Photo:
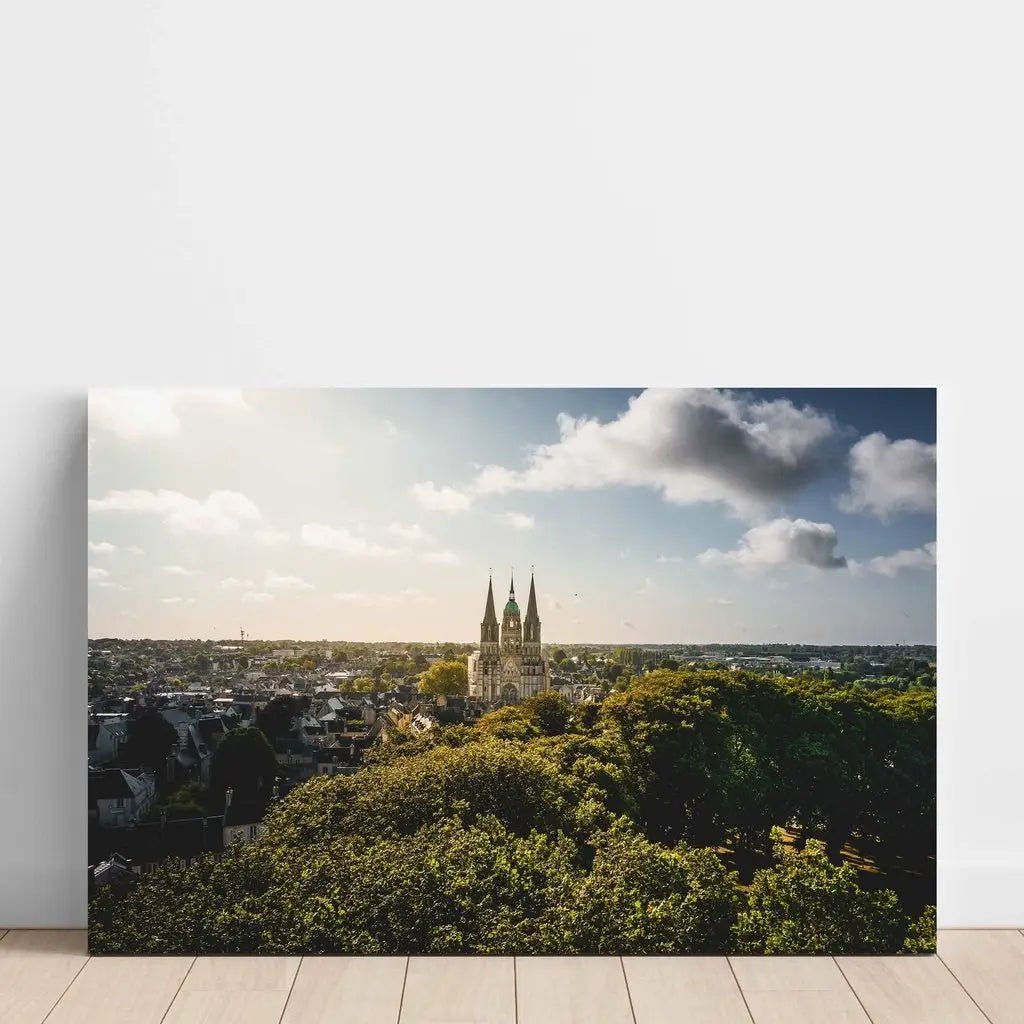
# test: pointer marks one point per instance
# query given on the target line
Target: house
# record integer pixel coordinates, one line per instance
(180, 719)
(339, 759)
(116, 872)
(146, 846)
(119, 797)
(204, 735)
(295, 755)
(242, 819)
(110, 732)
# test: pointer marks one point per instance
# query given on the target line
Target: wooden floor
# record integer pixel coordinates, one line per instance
(47, 976)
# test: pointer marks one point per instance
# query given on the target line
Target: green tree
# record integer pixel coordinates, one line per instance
(244, 761)
(449, 677)
(546, 714)
(921, 933)
(641, 898)
(809, 906)
(276, 719)
(187, 801)
(148, 741)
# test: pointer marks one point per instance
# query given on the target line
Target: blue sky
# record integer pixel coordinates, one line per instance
(692, 516)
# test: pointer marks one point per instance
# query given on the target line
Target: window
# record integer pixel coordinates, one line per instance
(253, 831)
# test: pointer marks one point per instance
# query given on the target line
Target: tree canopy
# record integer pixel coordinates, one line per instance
(550, 828)
(448, 677)
(148, 741)
(245, 762)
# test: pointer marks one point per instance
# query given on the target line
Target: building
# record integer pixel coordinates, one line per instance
(119, 797)
(509, 664)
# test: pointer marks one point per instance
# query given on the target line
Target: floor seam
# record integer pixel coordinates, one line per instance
(629, 995)
(291, 988)
(65, 992)
(401, 998)
(163, 1016)
(739, 987)
(515, 988)
(856, 994)
(964, 987)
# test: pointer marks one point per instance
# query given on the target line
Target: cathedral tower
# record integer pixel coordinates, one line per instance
(509, 665)
(489, 627)
(511, 625)
(531, 624)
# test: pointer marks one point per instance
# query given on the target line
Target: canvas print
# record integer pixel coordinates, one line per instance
(512, 671)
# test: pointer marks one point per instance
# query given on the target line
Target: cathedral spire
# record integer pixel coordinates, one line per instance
(531, 605)
(489, 616)
(512, 587)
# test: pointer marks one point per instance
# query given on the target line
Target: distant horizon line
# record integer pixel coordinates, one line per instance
(546, 643)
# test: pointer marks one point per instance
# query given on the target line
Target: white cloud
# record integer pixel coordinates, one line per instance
(257, 597)
(180, 570)
(781, 542)
(646, 585)
(272, 581)
(177, 600)
(331, 538)
(441, 499)
(921, 558)
(232, 583)
(412, 532)
(102, 547)
(271, 538)
(445, 557)
(516, 520)
(220, 513)
(723, 601)
(670, 559)
(410, 595)
(133, 413)
(96, 573)
(699, 445)
(890, 476)
(134, 549)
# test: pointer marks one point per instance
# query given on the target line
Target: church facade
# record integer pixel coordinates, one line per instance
(509, 664)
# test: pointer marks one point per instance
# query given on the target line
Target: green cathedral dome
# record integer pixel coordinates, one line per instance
(512, 608)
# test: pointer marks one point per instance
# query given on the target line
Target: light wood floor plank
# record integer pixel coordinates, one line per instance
(694, 989)
(783, 989)
(990, 965)
(371, 987)
(459, 990)
(234, 990)
(35, 969)
(122, 990)
(571, 990)
(908, 990)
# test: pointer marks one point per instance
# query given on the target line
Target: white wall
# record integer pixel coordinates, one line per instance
(320, 193)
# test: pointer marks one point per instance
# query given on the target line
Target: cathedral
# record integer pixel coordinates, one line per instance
(508, 666)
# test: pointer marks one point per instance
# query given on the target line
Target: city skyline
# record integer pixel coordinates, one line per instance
(682, 516)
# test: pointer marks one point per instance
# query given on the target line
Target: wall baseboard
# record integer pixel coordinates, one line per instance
(981, 896)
